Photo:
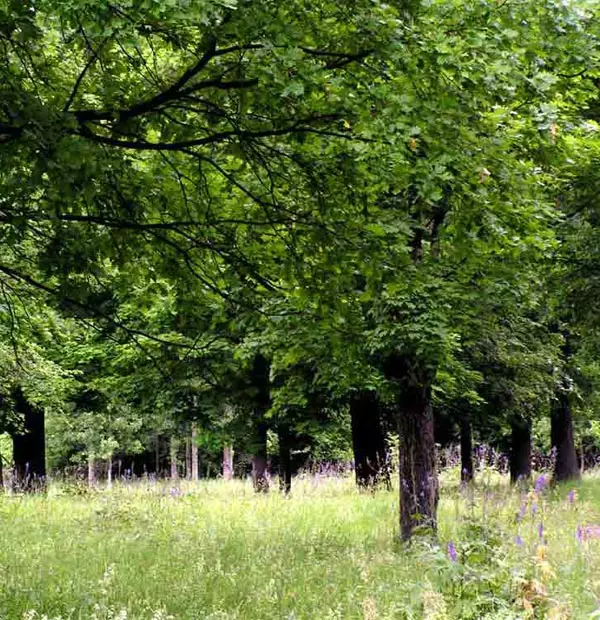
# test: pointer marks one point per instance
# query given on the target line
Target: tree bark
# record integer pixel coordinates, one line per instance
(29, 446)
(227, 462)
(520, 450)
(418, 474)
(174, 447)
(466, 451)
(194, 449)
(1, 474)
(188, 458)
(285, 458)
(110, 472)
(262, 402)
(91, 471)
(561, 433)
(368, 442)
(259, 460)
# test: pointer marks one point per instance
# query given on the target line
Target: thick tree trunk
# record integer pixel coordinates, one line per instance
(259, 460)
(561, 433)
(418, 473)
(227, 462)
(174, 447)
(262, 401)
(466, 451)
(91, 471)
(368, 442)
(520, 450)
(285, 458)
(194, 448)
(29, 447)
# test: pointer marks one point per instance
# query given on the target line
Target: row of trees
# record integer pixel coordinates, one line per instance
(312, 218)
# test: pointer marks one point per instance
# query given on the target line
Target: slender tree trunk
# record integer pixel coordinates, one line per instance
(157, 455)
(1, 475)
(368, 442)
(520, 450)
(194, 448)
(285, 458)
(91, 471)
(466, 451)
(227, 462)
(29, 446)
(418, 474)
(188, 458)
(561, 433)
(259, 460)
(174, 447)
(110, 472)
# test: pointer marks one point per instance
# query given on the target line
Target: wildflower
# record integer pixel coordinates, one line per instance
(534, 508)
(572, 496)
(522, 511)
(519, 541)
(541, 531)
(579, 533)
(452, 552)
(540, 484)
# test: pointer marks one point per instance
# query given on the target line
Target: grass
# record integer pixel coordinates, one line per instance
(216, 551)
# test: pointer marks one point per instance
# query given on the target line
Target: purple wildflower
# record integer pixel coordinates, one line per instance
(522, 511)
(452, 552)
(541, 531)
(534, 508)
(519, 541)
(571, 496)
(540, 483)
(579, 533)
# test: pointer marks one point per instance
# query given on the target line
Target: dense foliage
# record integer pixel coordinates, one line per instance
(295, 228)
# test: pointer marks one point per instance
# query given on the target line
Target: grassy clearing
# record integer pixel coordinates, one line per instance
(217, 551)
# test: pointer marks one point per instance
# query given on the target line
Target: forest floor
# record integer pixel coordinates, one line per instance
(215, 550)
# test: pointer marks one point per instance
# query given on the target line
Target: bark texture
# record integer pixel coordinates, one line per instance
(418, 475)
(29, 446)
(466, 451)
(227, 463)
(368, 442)
(520, 450)
(566, 466)
(91, 471)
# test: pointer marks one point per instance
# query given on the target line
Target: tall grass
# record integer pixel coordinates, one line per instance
(214, 550)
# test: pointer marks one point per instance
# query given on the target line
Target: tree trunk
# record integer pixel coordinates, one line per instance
(188, 458)
(227, 462)
(110, 472)
(520, 450)
(29, 447)
(418, 474)
(561, 433)
(285, 458)
(1, 474)
(91, 471)
(194, 448)
(368, 442)
(173, 458)
(466, 451)
(259, 460)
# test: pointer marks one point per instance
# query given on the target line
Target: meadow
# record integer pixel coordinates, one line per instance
(215, 550)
